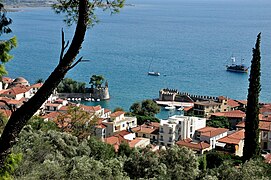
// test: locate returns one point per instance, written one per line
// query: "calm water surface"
(188, 42)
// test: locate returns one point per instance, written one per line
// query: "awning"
(220, 144)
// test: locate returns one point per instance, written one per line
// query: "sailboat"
(240, 68)
(152, 73)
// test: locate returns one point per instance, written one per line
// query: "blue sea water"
(187, 41)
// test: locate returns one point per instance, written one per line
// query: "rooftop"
(263, 125)
(233, 138)
(193, 145)
(211, 131)
(231, 114)
(117, 114)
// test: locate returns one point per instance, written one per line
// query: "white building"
(211, 135)
(178, 128)
(118, 122)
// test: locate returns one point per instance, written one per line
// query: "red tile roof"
(38, 85)
(232, 103)
(263, 125)
(51, 115)
(7, 80)
(265, 117)
(107, 110)
(265, 109)
(91, 108)
(146, 129)
(15, 90)
(64, 108)
(211, 131)
(193, 145)
(244, 102)
(187, 108)
(10, 101)
(231, 114)
(117, 114)
(52, 105)
(234, 138)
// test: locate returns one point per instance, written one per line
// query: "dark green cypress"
(252, 146)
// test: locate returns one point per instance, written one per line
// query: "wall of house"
(130, 136)
(239, 151)
(152, 137)
(212, 140)
(143, 143)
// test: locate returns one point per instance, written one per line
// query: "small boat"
(240, 68)
(180, 109)
(151, 73)
(98, 100)
(170, 107)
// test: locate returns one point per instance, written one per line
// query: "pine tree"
(252, 147)
(5, 45)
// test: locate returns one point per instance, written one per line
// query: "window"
(133, 122)
(123, 125)
(170, 139)
(170, 131)
(265, 145)
(161, 138)
(161, 130)
(191, 128)
(153, 137)
(144, 135)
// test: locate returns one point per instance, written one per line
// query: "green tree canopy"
(218, 122)
(69, 85)
(96, 81)
(252, 146)
(5, 45)
(146, 108)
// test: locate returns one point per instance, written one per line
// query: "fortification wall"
(101, 93)
(175, 95)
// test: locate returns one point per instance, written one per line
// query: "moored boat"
(151, 73)
(240, 68)
(170, 107)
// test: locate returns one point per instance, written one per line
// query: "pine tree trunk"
(20, 117)
(252, 147)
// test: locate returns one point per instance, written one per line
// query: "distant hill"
(28, 3)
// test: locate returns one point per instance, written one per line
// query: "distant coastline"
(19, 6)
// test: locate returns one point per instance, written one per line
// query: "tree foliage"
(77, 122)
(145, 111)
(5, 45)
(96, 81)
(145, 108)
(252, 146)
(144, 165)
(69, 85)
(219, 122)
(82, 11)
(57, 155)
(181, 163)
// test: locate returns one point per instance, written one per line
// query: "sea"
(188, 41)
